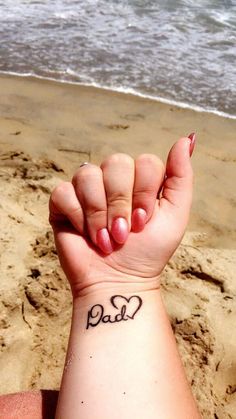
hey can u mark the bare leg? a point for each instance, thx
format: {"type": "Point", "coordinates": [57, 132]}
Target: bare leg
{"type": "Point", "coordinates": [29, 404]}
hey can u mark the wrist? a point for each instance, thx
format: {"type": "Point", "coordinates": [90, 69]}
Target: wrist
{"type": "Point", "coordinates": [102, 289]}
{"type": "Point", "coordinates": [113, 303]}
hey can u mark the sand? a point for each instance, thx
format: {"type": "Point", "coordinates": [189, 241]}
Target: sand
{"type": "Point", "coordinates": [46, 130]}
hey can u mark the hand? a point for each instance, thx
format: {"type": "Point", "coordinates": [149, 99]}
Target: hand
{"type": "Point", "coordinates": [121, 223]}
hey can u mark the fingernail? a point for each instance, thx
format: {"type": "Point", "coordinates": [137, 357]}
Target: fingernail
{"type": "Point", "coordinates": [139, 217]}
{"type": "Point", "coordinates": [192, 138]}
{"type": "Point", "coordinates": [104, 241]}
{"type": "Point", "coordinates": [120, 230]}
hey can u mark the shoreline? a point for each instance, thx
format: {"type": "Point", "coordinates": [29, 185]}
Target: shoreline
{"type": "Point", "coordinates": [130, 91]}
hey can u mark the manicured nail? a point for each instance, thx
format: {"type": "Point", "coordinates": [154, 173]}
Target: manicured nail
{"type": "Point", "coordinates": [120, 230]}
{"type": "Point", "coordinates": [192, 138]}
{"type": "Point", "coordinates": [104, 241]}
{"type": "Point", "coordinates": [139, 217]}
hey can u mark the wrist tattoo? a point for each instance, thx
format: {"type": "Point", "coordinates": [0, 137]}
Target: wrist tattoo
{"type": "Point", "coordinates": [127, 309]}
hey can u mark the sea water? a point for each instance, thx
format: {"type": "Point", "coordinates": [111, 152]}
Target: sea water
{"type": "Point", "coordinates": [176, 51]}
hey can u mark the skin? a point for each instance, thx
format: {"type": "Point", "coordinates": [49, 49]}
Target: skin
{"type": "Point", "coordinates": [124, 219]}
{"type": "Point", "coordinates": [134, 253]}
{"type": "Point", "coordinates": [28, 405]}
{"type": "Point", "coordinates": [98, 196]}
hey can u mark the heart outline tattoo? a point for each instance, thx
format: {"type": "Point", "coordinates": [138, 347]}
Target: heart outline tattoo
{"type": "Point", "coordinates": [128, 300]}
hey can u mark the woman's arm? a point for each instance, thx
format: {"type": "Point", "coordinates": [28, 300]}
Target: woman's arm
{"type": "Point", "coordinates": [122, 360]}
{"type": "Point", "coordinates": [115, 231]}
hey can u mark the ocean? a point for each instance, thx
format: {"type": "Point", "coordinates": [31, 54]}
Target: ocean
{"type": "Point", "coordinates": [181, 52]}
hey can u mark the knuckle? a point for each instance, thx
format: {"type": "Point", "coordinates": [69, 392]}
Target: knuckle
{"type": "Point", "coordinates": [143, 192]}
{"type": "Point", "coordinates": [75, 210]}
{"type": "Point", "coordinates": [150, 159]}
{"type": "Point", "coordinates": [59, 200]}
{"type": "Point", "coordinates": [95, 213]}
{"type": "Point", "coordinates": [116, 159]}
{"type": "Point", "coordinates": [118, 199]}
{"type": "Point", "coordinates": [85, 173]}
{"type": "Point", "coordinates": [59, 191]}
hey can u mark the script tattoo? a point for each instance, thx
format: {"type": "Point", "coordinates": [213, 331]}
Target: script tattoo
{"type": "Point", "coordinates": [127, 309]}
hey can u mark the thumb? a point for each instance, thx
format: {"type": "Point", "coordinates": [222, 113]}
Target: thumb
{"type": "Point", "coordinates": [178, 185]}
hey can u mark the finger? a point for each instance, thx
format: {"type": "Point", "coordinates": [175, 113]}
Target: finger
{"type": "Point", "coordinates": [149, 175]}
{"type": "Point", "coordinates": [64, 205]}
{"type": "Point", "coordinates": [177, 188]}
{"type": "Point", "coordinates": [118, 175]}
{"type": "Point", "coordinates": [89, 188]}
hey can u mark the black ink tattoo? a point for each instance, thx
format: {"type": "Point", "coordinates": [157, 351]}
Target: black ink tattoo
{"type": "Point", "coordinates": [128, 307]}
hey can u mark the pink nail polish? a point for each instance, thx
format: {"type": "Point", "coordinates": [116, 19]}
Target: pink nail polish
{"type": "Point", "coordinates": [120, 230]}
{"type": "Point", "coordinates": [192, 138]}
{"type": "Point", "coordinates": [104, 241]}
{"type": "Point", "coordinates": [139, 217]}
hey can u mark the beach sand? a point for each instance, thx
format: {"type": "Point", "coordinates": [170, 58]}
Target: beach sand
{"type": "Point", "coordinates": [47, 130]}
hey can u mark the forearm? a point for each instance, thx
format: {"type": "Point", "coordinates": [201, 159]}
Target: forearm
{"type": "Point", "coordinates": [123, 367]}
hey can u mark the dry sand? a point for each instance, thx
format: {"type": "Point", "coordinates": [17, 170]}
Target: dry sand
{"type": "Point", "coordinates": [46, 130]}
